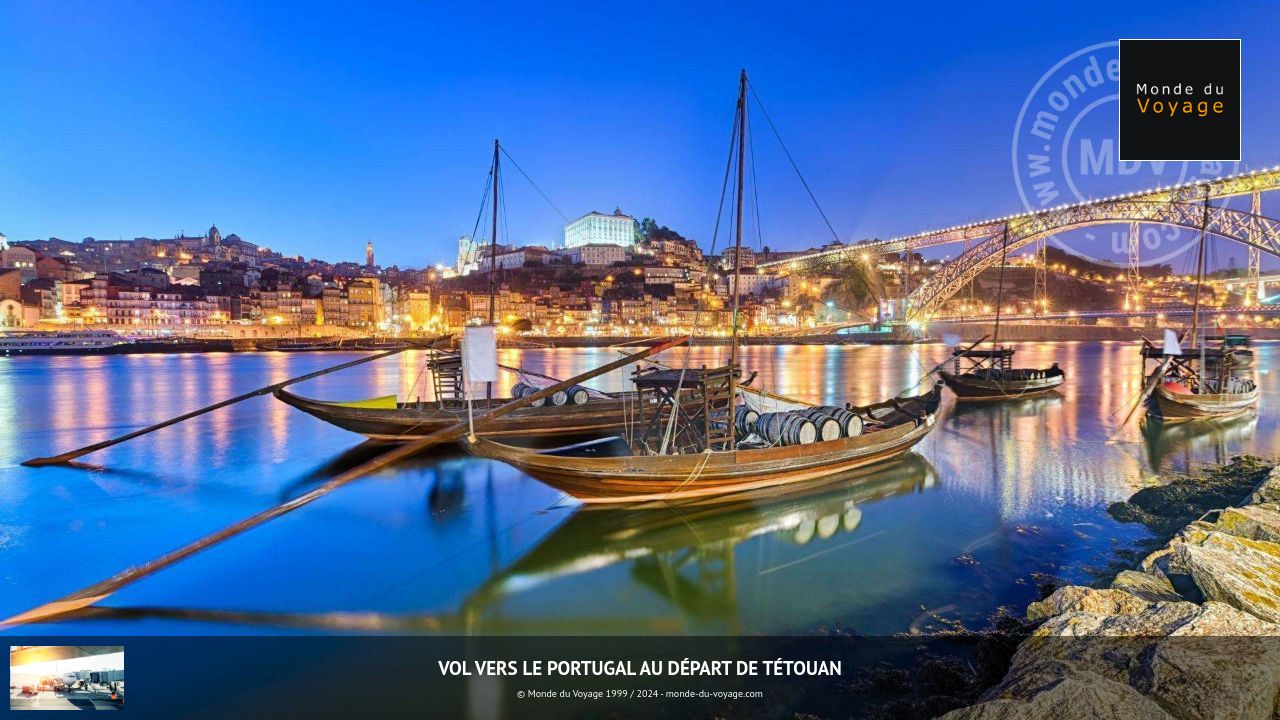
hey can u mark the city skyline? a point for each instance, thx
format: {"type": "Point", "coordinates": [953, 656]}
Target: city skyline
{"type": "Point", "coordinates": [314, 135]}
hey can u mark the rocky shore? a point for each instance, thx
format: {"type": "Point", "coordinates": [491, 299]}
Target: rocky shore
{"type": "Point", "coordinates": [1192, 632]}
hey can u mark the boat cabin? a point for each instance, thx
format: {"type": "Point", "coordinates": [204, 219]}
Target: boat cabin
{"type": "Point", "coordinates": [681, 410]}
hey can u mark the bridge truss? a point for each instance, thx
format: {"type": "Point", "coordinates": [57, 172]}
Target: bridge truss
{"type": "Point", "coordinates": [1180, 206]}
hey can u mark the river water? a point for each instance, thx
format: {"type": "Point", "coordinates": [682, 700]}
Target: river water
{"type": "Point", "coordinates": [997, 496]}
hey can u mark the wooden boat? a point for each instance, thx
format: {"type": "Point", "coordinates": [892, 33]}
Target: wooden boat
{"type": "Point", "coordinates": [300, 345]}
{"type": "Point", "coordinates": [1180, 392]}
{"type": "Point", "coordinates": [891, 429]}
{"type": "Point", "coordinates": [1197, 384]}
{"type": "Point", "coordinates": [1178, 405]}
{"type": "Point", "coordinates": [377, 344]}
{"type": "Point", "coordinates": [990, 376]}
{"type": "Point", "coordinates": [387, 419]}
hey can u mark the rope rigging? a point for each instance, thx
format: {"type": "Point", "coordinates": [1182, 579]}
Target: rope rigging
{"type": "Point", "coordinates": [534, 184]}
{"type": "Point", "coordinates": [792, 160]}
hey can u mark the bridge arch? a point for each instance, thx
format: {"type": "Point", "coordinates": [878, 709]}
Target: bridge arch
{"type": "Point", "coordinates": [1256, 231]}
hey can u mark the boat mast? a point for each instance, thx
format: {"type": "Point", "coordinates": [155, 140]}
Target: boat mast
{"type": "Point", "coordinates": [493, 254]}
{"type": "Point", "coordinates": [1004, 248]}
{"type": "Point", "coordinates": [1195, 304]}
{"type": "Point", "coordinates": [493, 243]}
{"type": "Point", "coordinates": [737, 258]}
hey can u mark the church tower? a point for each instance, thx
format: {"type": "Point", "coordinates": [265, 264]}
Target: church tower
{"type": "Point", "coordinates": [368, 254]}
{"type": "Point", "coordinates": [214, 236]}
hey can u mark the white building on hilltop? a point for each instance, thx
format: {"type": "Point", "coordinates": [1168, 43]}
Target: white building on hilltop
{"type": "Point", "coordinates": [599, 229]}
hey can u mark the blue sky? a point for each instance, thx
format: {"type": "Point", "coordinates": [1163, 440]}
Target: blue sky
{"type": "Point", "coordinates": [313, 130]}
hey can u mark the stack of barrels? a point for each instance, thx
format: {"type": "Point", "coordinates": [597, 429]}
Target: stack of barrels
{"type": "Point", "coordinates": [576, 395]}
{"type": "Point", "coordinates": [801, 427]}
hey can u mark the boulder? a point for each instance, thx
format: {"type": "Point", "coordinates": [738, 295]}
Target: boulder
{"type": "Point", "coordinates": [1238, 571]}
{"type": "Point", "coordinates": [1075, 598]}
{"type": "Point", "coordinates": [1256, 522]}
{"type": "Point", "coordinates": [1158, 620]}
{"type": "Point", "coordinates": [1076, 696]}
{"type": "Point", "coordinates": [1148, 586]}
{"type": "Point", "coordinates": [1210, 661]}
{"type": "Point", "coordinates": [1268, 491]}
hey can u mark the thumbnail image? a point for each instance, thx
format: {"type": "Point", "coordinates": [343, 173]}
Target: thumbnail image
{"type": "Point", "coordinates": [66, 677]}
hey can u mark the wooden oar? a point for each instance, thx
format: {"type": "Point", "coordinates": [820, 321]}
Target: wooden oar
{"type": "Point", "coordinates": [73, 454]}
{"type": "Point", "coordinates": [1156, 377]}
{"type": "Point", "coordinates": [100, 590]}
{"type": "Point", "coordinates": [1147, 389]}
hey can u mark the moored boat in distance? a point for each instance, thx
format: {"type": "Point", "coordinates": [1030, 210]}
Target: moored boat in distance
{"type": "Point", "coordinates": [1181, 392]}
{"type": "Point", "coordinates": [991, 376]}
{"type": "Point", "coordinates": [377, 344]}
{"type": "Point", "coordinates": [1197, 384]}
{"type": "Point", "coordinates": [61, 342]}
{"type": "Point", "coordinates": [299, 345]}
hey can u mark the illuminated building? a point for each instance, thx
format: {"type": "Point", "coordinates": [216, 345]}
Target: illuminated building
{"type": "Point", "coordinates": [596, 228]}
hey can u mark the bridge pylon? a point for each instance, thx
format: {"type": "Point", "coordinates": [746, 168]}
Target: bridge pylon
{"type": "Point", "coordinates": [1254, 292]}
{"type": "Point", "coordinates": [1134, 275]}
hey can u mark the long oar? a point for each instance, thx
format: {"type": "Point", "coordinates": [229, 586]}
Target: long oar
{"type": "Point", "coordinates": [1156, 377]}
{"type": "Point", "coordinates": [100, 590]}
{"type": "Point", "coordinates": [1147, 389]}
{"type": "Point", "coordinates": [73, 454]}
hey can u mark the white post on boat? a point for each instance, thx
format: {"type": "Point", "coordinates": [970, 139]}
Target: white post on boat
{"type": "Point", "coordinates": [479, 363]}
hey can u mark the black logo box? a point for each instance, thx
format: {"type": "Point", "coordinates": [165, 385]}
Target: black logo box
{"type": "Point", "coordinates": [1185, 67]}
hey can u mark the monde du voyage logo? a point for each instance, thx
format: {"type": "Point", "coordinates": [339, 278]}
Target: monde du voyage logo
{"type": "Point", "coordinates": [1179, 100]}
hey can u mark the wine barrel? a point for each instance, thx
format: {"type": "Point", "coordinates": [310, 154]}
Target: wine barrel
{"type": "Point", "coordinates": [578, 395]}
{"type": "Point", "coordinates": [786, 428]}
{"type": "Point", "coordinates": [850, 423]}
{"type": "Point", "coordinates": [828, 427]}
{"type": "Point", "coordinates": [744, 420]}
{"type": "Point", "coordinates": [559, 397]}
{"type": "Point", "coordinates": [520, 390]}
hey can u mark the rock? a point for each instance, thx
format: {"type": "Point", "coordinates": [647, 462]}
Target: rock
{"type": "Point", "coordinates": [1198, 662]}
{"type": "Point", "coordinates": [1222, 663]}
{"type": "Point", "coordinates": [1216, 619]}
{"type": "Point", "coordinates": [1268, 491]}
{"type": "Point", "coordinates": [1075, 598]}
{"type": "Point", "coordinates": [1159, 620]}
{"type": "Point", "coordinates": [1148, 586]}
{"type": "Point", "coordinates": [1238, 571]}
{"type": "Point", "coordinates": [1076, 696]}
{"type": "Point", "coordinates": [1255, 522]}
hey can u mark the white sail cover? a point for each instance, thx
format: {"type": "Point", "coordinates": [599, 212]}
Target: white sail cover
{"type": "Point", "coordinates": [766, 404]}
{"type": "Point", "coordinates": [1171, 344]}
{"type": "Point", "coordinates": [480, 354]}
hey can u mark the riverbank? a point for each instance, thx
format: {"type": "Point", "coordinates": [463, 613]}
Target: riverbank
{"type": "Point", "coordinates": [1027, 332]}
{"type": "Point", "coordinates": [1192, 632]}
{"type": "Point", "coordinates": [1009, 332]}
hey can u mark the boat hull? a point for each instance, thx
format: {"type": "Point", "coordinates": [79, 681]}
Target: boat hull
{"type": "Point", "coordinates": [973, 387]}
{"type": "Point", "coordinates": [1174, 407]}
{"type": "Point", "coordinates": [646, 479]}
{"type": "Point", "coordinates": [412, 421]}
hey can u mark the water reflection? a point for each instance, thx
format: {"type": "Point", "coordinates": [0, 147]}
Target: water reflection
{"type": "Point", "coordinates": [450, 543]}
{"type": "Point", "coordinates": [1178, 444]}
{"type": "Point", "coordinates": [684, 554]}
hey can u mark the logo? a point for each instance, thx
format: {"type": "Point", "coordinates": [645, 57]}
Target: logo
{"type": "Point", "coordinates": [1065, 150]}
{"type": "Point", "coordinates": [1179, 99]}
